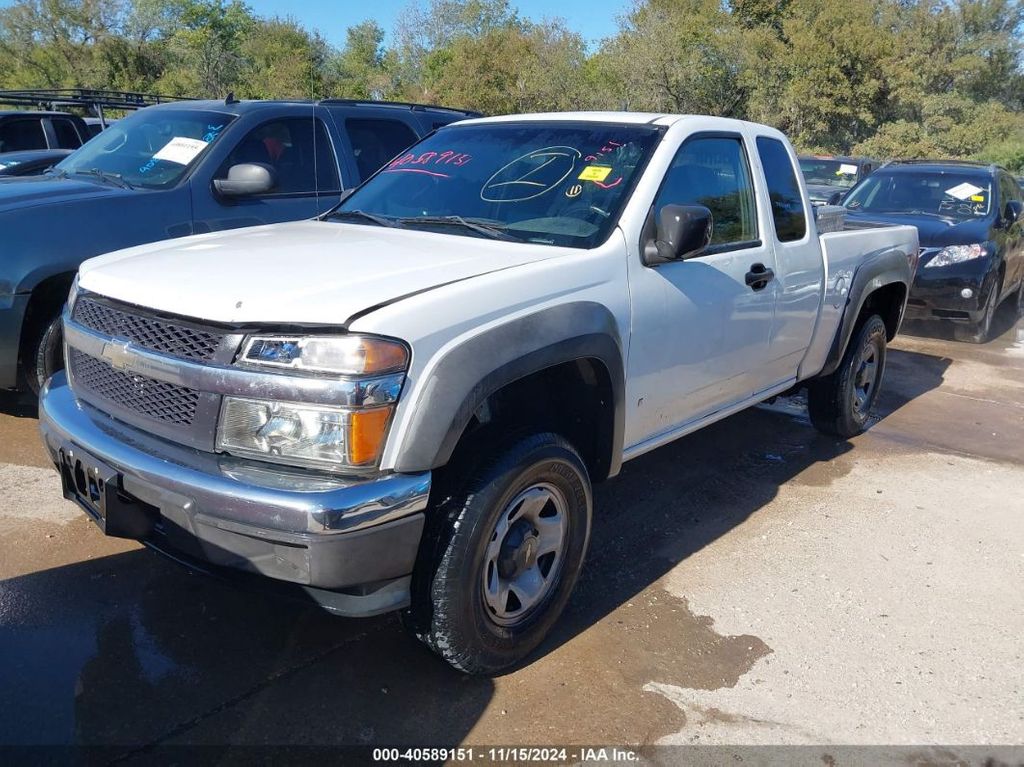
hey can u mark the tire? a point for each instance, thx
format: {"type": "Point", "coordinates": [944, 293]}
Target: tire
{"type": "Point", "coordinates": [840, 403]}
{"type": "Point", "coordinates": [980, 332]}
{"type": "Point", "coordinates": [44, 355]}
{"type": "Point", "coordinates": [474, 564]}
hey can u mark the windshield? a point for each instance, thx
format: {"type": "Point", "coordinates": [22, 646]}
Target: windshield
{"type": "Point", "coordinates": [949, 195]}
{"type": "Point", "coordinates": [549, 183]}
{"type": "Point", "coordinates": [151, 148]}
{"type": "Point", "coordinates": [837, 173]}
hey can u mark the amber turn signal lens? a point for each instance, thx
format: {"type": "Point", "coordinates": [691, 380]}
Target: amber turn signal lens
{"type": "Point", "coordinates": [382, 356]}
{"type": "Point", "coordinates": [366, 430]}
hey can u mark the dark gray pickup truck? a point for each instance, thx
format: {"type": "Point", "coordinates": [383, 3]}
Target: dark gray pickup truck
{"type": "Point", "coordinates": [173, 170]}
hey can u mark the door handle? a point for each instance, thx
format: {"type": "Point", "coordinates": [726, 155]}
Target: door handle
{"type": "Point", "coordinates": [759, 276]}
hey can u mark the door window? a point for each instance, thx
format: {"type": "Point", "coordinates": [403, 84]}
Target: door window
{"type": "Point", "coordinates": [374, 142]}
{"type": "Point", "coordinates": [18, 135]}
{"type": "Point", "coordinates": [303, 161]}
{"type": "Point", "coordinates": [714, 172]}
{"type": "Point", "coordinates": [783, 190]}
{"type": "Point", "coordinates": [67, 136]}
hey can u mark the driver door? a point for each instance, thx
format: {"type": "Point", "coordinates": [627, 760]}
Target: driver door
{"type": "Point", "coordinates": [300, 153]}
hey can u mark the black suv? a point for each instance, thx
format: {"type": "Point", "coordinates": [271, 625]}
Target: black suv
{"type": "Point", "coordinates": [21, 131]}
{"type": "Point", "coordinates": [968, 216]}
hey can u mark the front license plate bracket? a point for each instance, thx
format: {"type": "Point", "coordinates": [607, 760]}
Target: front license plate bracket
{"type": "Point", "coordinates": [96, 488]}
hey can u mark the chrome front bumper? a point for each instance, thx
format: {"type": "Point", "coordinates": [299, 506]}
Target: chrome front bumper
{"type": "Point", "coordinates": [355, 536]}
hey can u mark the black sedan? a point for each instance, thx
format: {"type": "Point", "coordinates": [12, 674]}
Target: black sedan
{"type": "Point", "coordinates": [30, 162]}
{"type": "Point", "coordinates": [968, 216]}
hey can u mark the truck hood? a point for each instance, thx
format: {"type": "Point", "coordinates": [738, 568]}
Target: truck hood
{"type": "Point", "coordinates": [932, 232]}
{"type": "Point", "coordinates": [302, 272]}
{"type": "Point", "coordinates": [29, 191]}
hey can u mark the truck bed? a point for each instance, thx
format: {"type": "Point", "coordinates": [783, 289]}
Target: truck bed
{"type": "Point", "coordinates": [845, 247]}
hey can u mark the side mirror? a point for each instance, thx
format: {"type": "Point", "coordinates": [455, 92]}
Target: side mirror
{"type": "Point", "coordinates": [836, 198]}
{"type": "Point", "coordinates": [246, 179]}
{"type": "Point", "coordinates": [681, 232]}
{"type": "Point", "coordinates": [1011, 214]}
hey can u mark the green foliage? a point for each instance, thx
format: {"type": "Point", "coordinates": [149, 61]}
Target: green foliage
{"type": "Point", "coordinates": [675, 56]}
{"type": "Point", "coordinates": [363, 69]}
{"type": "Point", "coordinates": [1009, 153]}
{"type": "Point", "coordinates": [888, 78]}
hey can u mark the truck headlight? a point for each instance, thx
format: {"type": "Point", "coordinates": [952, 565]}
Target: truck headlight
{"type": "Point", "coordinates": [313, 436]}
{"type": "Point", "coordinates": [335, 438]}
{"type": "Point", "coordinates": [957, 254]}
{"type": "Point", "coordinates": [351, 355]}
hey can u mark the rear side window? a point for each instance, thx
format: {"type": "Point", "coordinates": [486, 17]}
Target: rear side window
{"type": "Point", "coordinates": [18, 135]}
{"type": "Point", "coordinates": [783, 190]}
{"type": "Point", "coordinates": [67, 136]}
{"type": "Point", "coordinates": [713, 172]}
{"type": "Point", "coordinates": [374, 142]}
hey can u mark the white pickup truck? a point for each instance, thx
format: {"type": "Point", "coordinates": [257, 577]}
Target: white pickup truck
{"type": "Point", "coordinates": [403, 405]}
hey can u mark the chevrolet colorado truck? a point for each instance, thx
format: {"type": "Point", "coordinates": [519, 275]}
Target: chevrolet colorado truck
{"type": "Point", "coordinates": [404, 404]}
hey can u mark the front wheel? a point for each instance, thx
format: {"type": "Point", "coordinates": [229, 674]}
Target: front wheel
{"type": "Point", "coordinates": [502, 556]}
{"type": "Point", "coordinates": [44, 355]}
{"type": "Point", "coordinates": [840, 403]}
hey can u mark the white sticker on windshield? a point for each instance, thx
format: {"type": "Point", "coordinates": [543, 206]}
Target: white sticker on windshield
{"type": "Point", "coordinates": [963, 191]}
{"type": "Point", "coordinates": [181, 150]}
{"type": "Point", "coordinates": [847, 170]}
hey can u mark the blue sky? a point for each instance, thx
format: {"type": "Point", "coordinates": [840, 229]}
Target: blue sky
{"type": "Point", "coordinates": [593, 19]}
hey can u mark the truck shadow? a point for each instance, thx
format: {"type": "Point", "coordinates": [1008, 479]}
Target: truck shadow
{"type": "Point", "coordinates": [135, 651]}
{"type": "Point", "coordinates": [673, 502]}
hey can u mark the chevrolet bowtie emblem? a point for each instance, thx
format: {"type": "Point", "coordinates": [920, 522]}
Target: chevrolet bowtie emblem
{"type": "Point", "coordinates": [117, 354]}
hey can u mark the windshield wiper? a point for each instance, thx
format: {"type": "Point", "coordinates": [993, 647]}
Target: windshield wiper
{"type": "Point", "coordinates": [486, 228]}
{"type": "Point", "coordinates": [916, 213]}
{"type": "Point", "coordinates": [113, 178]}
{"type": "Point", "coordinates": [373, 217]}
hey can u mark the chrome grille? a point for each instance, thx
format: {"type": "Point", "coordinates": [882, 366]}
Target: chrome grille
{"type": "Point", "coordinates": [149, 332]}
{"type": "Point", "coordinates": [159, 400]}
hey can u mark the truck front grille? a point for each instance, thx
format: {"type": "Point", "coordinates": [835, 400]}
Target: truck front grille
{"type": "Point", "coordinates": [159, 400]}
{"type": "Point", "coordinates": [148, 332]}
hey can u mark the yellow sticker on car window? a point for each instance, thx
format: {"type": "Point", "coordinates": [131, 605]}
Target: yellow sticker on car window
{"type": "Point", "coordinates": [595, 173]}
{"type": "Point", "coordinates": [977, 198]}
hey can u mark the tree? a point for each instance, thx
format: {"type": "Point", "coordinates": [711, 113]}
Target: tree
{"type": "Point", "coordinates": [206, 47]}
{"type": "Point", "coordinates": [675, 56]}
{"type": "Point", "coordinates": [362, 69]}
{"type": "Point", "coordinates": [280, 59]}
{"type": "Point", "coordinates": [821, 81]}
{"type": "Point", "coordinates": [423, 32]}
{"type": "Point", "coordinates": [516, 68]}
{"type": "Point", "coordinates": [52, 43]}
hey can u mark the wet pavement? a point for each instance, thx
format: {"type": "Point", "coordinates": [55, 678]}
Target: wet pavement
{"type": "Point", "coordinates": [752, 583]}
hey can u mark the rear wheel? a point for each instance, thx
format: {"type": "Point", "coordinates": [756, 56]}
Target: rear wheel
{"type": "Point", "coordinates": [502, 556]}
{"type": "Point", "coordinates": [840, 403]}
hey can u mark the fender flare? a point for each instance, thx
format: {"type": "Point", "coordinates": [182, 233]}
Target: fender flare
{"type": "Point", "coordinates": [472, 371]}
{"type": "Point", "coordinates": [876, 271]}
